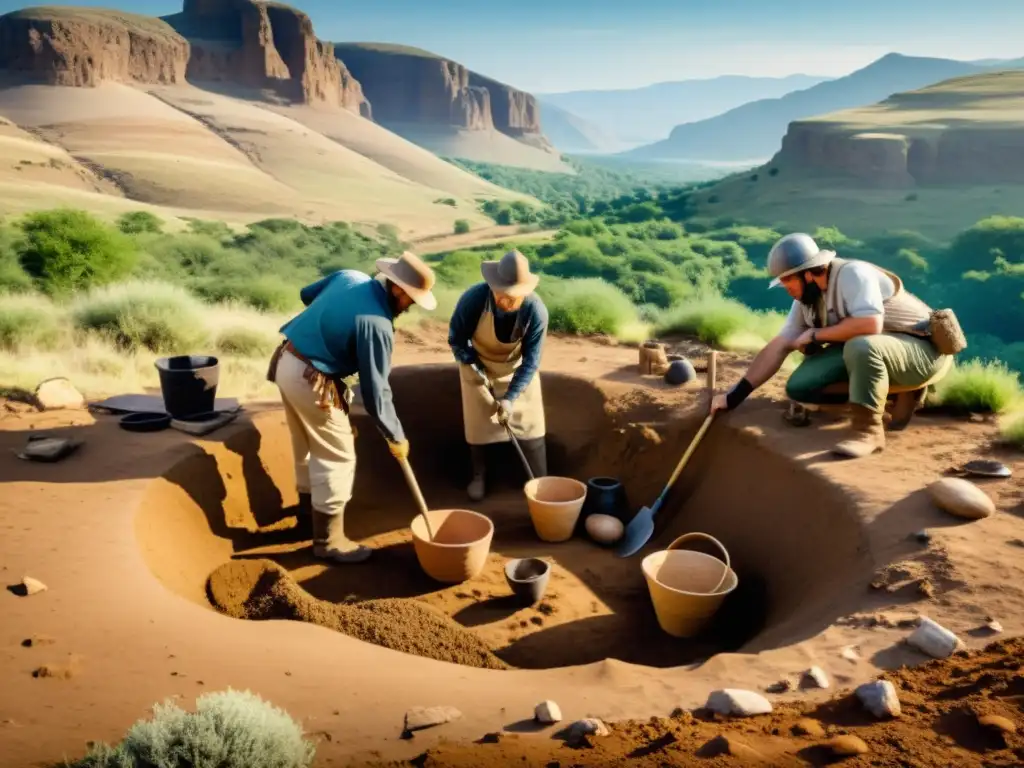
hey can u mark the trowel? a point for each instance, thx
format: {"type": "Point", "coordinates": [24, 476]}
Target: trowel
{"type": "Point", "coordinates": [641, 527]}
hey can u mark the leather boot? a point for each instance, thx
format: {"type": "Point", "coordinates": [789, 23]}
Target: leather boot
{"type": "Point", "coordinates": [868, 434]}
{"type": "Point", "coordinates": [330, 541]}
{"type": "Point", "coordinates": [304, 514]}
{"type": "Point", "coordinates": [305, 507]}
{"type": "Point", "coordinates": [476, 488]}
{"type": "Point", "coordinates": [905, 406]}
{"type": "Point", "coordinates": [536, 454]}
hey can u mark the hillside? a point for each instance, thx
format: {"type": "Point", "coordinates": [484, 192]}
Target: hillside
{"type": "Point", "coordinates": [753, 131]}
{"type": "Point", "coordinates": [449, 109]}
{"type": "Point", "coordinates": [571, 133]}
{"type": "Point", "coordinates": [110, 111]}
{"type": "Point", "coordinates": [641, 115]}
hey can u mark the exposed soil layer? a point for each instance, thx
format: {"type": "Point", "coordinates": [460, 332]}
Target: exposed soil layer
{"type": "Point", "coordinates": [939, 726]}
{"type": "Point", "coordinates": [793, 539]}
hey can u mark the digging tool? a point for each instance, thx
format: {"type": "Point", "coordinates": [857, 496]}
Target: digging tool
{"type": "Point", "coordinates": [410, 478]}
{"type": "Point", "coordinates": [505, 424]}
{"type": "Point", "coordinates": [641, 527]}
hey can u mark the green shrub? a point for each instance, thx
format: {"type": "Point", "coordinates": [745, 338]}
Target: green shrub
{"type": "Point", "coordinates": [461, 226]}
{"type": "Point", "coordinates": [588, 306]}
{"type": "Point", "coordinates": [29, 322]}
{"type": "Point", "coordinates": [268, 294]}
{"type": "Point", "coordinates": [1011, 428]}
{"type": "Point", "coordinates": [65, 250]}
{"type": "Point", "coordinates": [720, 322]}
{"type": "Point", "coordinates": [162, 318]}
{"type": "Point", "coordinates": [977, 386]}
{"type": "Point", "coordinates": [229, 729]}
{"type": "Point", "coordinates": [137, 222]}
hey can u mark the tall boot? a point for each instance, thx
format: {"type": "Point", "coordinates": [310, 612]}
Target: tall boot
{"type": "Point", "coordinates": [477, 488]}
{"type": "Point", "coordinates": [304, 514]}
{"type": "Point", "coordinates": [868, 434]}
{"type": "Point", "coordinates": [536, 454]}
{"type": "Point", "coordinates": [330, 541]}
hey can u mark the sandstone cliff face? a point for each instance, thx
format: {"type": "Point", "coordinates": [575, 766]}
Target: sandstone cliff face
{"type": "Point", "coordinates": [407, 85]}
{"type": "Point", "coordinates": [83, 48]}
{"type": "Point", "coordinates": [265, 45]}
{"type": "Point", "coordinates": [977, 154]}
{"type": "Point", "coordinates": [254, 44]}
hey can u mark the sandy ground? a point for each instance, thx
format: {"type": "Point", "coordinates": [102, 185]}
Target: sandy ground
{"type": "Point", "coordinates": [186, 151]}
{"type": "Point", "coordinates": [125, 532]}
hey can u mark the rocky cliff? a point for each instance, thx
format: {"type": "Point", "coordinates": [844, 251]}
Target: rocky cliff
{"type": "Point", "coordinates": [83, 47]}
{"type": "Point", "coordinates": [260, 45]}
{"type": "Point", "coordinates": [412, 86]}
{"type": "Point", "coordinates": [967, 130]}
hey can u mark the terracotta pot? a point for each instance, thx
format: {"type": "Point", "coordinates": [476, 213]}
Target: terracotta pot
{"type": "Point", "coordinates": [528, 578]}
{"type": "Point", "coordinates": [555, 504]}
{"type": "Point", "coordinates": [459, 549]}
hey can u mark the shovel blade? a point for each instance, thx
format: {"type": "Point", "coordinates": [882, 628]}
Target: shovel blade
{"type": "Point", "coordinates": [638, 533]}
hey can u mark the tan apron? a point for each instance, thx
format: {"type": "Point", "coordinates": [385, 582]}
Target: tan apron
{"type": "Point", "coordinates": [499, 361]}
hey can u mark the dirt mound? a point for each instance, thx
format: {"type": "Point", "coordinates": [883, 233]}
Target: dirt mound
{"type": "Point", "coordinates": [261, 590]}
{"type": "Point", "coordinates": [939, 727]}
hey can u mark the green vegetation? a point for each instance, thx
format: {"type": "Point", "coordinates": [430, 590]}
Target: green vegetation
{"type": "Point", "coordinates": [229, 729]}
{"type": "Point", "coordinates": [977, 386]}
{"type": "Point", "coordinates": [1011, 428]}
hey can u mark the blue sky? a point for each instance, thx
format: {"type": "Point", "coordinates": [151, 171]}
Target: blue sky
{"type": "Point", "coordinates": [555, 45]}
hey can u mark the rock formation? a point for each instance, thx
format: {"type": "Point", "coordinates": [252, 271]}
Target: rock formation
{"type": "Point", "coordinates": [961, 131]}
{"type": "Point", "coordinates": [412, 86]}
{"type": "Point", "coordinates": [72, 47]}
{"type": "Point", "coordinates": [260, 45]}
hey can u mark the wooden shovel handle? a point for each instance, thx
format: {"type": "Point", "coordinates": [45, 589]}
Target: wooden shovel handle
{"type": "Point", "coordinates": [410, 478]}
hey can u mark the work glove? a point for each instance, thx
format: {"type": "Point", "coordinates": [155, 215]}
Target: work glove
{"type": "Point", "coordinates": [399, 449]}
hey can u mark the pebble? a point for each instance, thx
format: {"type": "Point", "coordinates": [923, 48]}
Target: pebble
{"type": "Point", "coordinates": [815, 677]}
{"type": "Point", "coordinates": [427, 717]}
{"type": "Point", "coordinates": [730, 745]}
{"type": "Point", "coordinates": [32, 586]}
{"type": "Point", "coordinates": [850, 653]}
{"type": "Point", "coordinates": [734, 701]}
{"type": "Point", "coordinates": [879, 698]}
{"type": "Point", "coordinates": [782, 686]}
{"type": "Point", "coordinates": [934, 640]}
{"type": "Point", "coordinates": [994, 626]}
{"type": "Point", "coordinates": [961, 498]}
{"type": "Point", "coordinates": [581, 729]}
{"type": "Point", "coordinates": [924, 537]}
{"type": "Point", "coordinates": [547, 712]}
{"type": "Point", "coordinates": [808, 727]}
{"type": "Point", "coordinates": [847, 745]}
{"type": "Point", "coordinates": [998, 723]}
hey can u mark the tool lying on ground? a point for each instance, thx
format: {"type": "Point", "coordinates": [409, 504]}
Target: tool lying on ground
{"type": "Point", "coordinates": [504, 422]}
{"type": "Point", "coordinates": [641, 527]}
{"type": "Point", "coordinates": [410, 478]}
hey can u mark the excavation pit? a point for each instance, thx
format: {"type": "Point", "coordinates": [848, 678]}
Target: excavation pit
{"type": "Point", "coordinates": [227, 509]}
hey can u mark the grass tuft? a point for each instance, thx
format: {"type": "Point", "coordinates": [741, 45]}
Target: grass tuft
{"type": "Point", "coordinates": [980, 387]}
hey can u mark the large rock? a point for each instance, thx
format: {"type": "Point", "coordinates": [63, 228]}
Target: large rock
{"type": "Point", "coordinates": [268, 46]}
{"type": "Point", "coordinates": [961, 498]}
{"type": "Point", "coordinates": [934, 640]}
{"type": "Point", "coordinates": [84, 47]}
{"type": "Point", "coordinates": [879, 698]}
{"type": "Point", "coordinates": [734, 701]}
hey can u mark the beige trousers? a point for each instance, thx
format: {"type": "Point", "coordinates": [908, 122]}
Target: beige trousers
{"type": "Point", "coordinates": [323, 443]}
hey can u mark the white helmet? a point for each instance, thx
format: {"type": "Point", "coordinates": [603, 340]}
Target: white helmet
{"type": "Point", "coordinates": [795, 253]}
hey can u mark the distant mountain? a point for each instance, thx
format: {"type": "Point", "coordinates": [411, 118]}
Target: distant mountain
{"type": "Point", "coordinates": [754, 131]}
{"type": "Point", "coordinates": [641, 115]}
{"type": "Point", "coordinates": [571, 133]}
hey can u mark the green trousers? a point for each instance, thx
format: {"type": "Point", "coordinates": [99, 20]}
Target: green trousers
{"type": "Point", "coordinates": [870, 364]}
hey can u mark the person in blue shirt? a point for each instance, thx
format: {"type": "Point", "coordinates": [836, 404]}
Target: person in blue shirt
{"type": "Point", "coordinates": [347, 328]}
{"type": "Point", "coordinates": [497, 331]}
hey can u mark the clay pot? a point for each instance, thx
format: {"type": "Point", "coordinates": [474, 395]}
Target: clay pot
{"type": "Point", "coordinates": [459, 549]}
{"type": "Point", "coordinates": [680, 372]}
{"type": "Point", "coordinates": [652, 358]}
{"type": "Point", "coordinates": [555, 504]}
{"type": "Point", "coordinates": [528, 579]}
{"type": "Point", "coordinates": [605, 496]}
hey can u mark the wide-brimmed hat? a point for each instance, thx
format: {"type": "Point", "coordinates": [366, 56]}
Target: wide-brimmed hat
{"type": "Point", "coordinates": [510, 274]}
{"type": "Point", "coordinates": [410, 273]}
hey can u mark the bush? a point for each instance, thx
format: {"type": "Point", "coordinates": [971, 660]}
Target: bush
{"type": "Point", "coordinates": [29, 322]}
{"type": "Point", "coordinates": [65, 250]}
{"type": "Point", "coordinates": [720, 322]}
{"type": "Point", "coordinates": [977, 386]}
{"type": "Point", "coordinates": [240, 331]}
{"type": "Point", "coordinates": [1011, 428]}
{"type": "Point", "coordinates": [588, 306]}
{"type": "Point", "coordinates": [137, 222]}
{"type": "Point", "coordinates": [461, 226]}
{"type": "Point", "coordinates": [229, 729]}
{"type": "Point", "coordinates": [162, 318]}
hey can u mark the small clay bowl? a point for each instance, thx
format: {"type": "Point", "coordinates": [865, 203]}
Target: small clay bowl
{"type": "Point", "coordinates": [528, 578]}
{"type": "Point", "coordinates": [145, 422]}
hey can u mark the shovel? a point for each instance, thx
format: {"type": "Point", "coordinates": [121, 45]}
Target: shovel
{"type": "Point", "coordinates": [410, 478]}
{"type": "Point", "coordinates": [641, 527]}
{"type": "Point", "coordinates": [505, 424]}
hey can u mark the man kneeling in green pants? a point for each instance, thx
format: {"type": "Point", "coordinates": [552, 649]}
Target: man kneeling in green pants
{"type": "Point", "coordinates": [854, 322]}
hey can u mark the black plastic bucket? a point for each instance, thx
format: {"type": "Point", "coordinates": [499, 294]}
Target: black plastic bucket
{"type": "Point", "coordinates": [188, 384]}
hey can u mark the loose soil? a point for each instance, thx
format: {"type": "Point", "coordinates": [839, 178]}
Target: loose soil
{"type": "Point", "coordinates": [126, 533]}
{"type": "Point", "coordinates": [938, 727]}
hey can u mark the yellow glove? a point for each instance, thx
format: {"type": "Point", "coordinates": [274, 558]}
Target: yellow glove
{"type": "Point", "coordinates": [399, 449]}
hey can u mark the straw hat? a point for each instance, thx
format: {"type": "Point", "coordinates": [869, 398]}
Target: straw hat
{"type": "Point", "coordinates": [412, 275]}
{"type": "Point", "coordinates": [510, 274]}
